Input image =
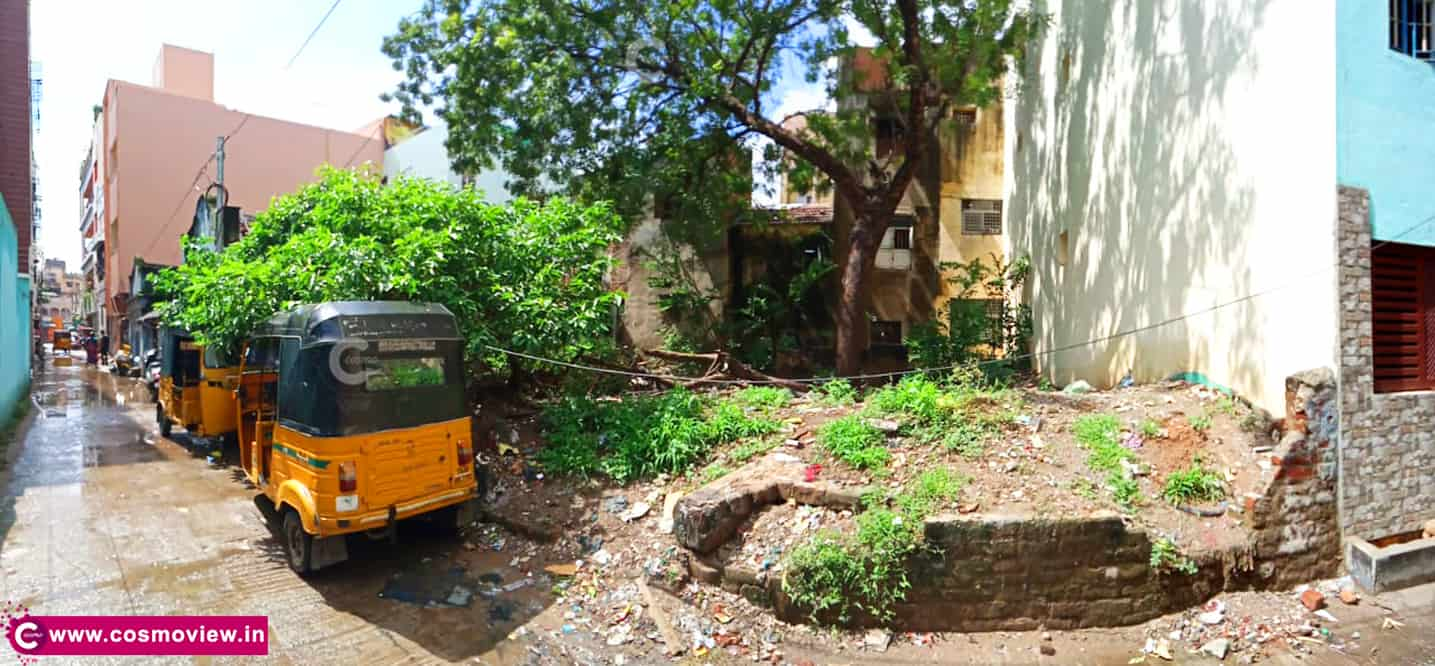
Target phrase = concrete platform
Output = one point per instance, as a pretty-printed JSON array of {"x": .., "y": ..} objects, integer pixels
[{"x": 1393, "y": 567}]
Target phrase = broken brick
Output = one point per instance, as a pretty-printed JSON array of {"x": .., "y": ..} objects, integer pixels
[{"x": 1313, "y": 600}]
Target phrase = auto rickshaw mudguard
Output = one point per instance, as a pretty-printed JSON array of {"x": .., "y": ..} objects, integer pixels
[{"x": 296, "y": 495}]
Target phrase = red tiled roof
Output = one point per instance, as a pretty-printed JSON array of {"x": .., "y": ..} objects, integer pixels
[{"x": 802, "y": 214}]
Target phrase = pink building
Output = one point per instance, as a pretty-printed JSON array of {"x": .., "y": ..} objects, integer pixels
[{"x": 138, "y": 189}]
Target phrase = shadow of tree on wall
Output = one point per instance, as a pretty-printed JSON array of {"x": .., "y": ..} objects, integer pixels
[{"x": 1128, "y": 157}]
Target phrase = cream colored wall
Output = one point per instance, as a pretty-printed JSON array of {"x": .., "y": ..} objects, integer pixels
[
  {"x": 972, "y": 167},
  {"x": 642, "y": 319},
  {"x": 160, "y": 139},
  {"x": 1187, "y": 149}
]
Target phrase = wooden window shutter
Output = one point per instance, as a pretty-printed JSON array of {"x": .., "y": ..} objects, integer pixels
[{"x": 1402, "y": 285}]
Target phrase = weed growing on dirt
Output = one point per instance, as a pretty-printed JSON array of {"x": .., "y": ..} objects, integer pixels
[
  {"x": 967, "y": 439},
  {"x": 1150, "y": 428},
  {"x": 1099, "y": 435},
  {"x": 915, "y": 397},
  {"x": 1199, "y": 422},
  {"x": 713, "y": 472},
  {"x": 836, "y": 393},
  {"x": 1193, "y": 484},
  {"x": 855, "y": 442},
  {"x": 1226, "y": 405},
  {"x": 834, "y": 576},
  {"x": 932, "y": 490},
  {"x": 1166, "y": 557},
  {"x": 763, "y": 397},
  {"x": 1085, "y": 488},
  {"x": 750, "y": 450},
  {"x": 641, "y": 436}
]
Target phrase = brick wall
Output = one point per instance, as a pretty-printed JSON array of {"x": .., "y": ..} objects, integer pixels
[
  {"x": 1387, "y": 451},
  {"x": 15, "y": 123}
]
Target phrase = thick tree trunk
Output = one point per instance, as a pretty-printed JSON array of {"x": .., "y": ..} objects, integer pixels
[{"x": 866, "y": 236}]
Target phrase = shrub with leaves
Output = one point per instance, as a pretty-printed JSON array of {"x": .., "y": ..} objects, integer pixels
[
  {"x": 640, "y": 437},
  {"x": 1193, "y": 484},
  {"x": 525, "y": 276},
  {"x": 763, "y": 397},
  {"x": 836, "y": 393},
  {"x": 855, "y": 442},
  {"x": 836, "y": 576},
  {"x": 1166, "y": 557}
]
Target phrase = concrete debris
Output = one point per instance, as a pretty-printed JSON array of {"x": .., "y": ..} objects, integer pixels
[
  {"x": 1217, "y": 648},
  {"x": 1211, "y": 617},
  {"x": 877, "y": 640},
  {"x": 670, "y": 504},
  {"x": 1326, "y": 615},
  {"x": 637, "y": 511},
  {"x": 1163, "y": 650},
  {"x": 1077, "y": 387}
]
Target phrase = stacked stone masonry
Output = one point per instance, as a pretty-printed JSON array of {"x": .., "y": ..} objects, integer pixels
[
  {"x": 991, "y": 572},
  {"x": 1387, "y": 441}
]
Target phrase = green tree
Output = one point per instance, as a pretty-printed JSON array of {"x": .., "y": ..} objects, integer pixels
[
  {"x": 627, "y": 99},
  {"x": 526, "y": 277}
]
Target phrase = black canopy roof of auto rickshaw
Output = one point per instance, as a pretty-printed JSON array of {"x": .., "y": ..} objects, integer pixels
[{"x": 317, "y": 323}]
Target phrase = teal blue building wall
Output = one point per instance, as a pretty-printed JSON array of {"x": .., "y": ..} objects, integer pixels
[
  {"x": 14, "y": 319},
  {"x": 1385, "y": 124}
]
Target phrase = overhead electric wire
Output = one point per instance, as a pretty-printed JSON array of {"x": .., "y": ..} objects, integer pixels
[{"x": 313, "y": 32}]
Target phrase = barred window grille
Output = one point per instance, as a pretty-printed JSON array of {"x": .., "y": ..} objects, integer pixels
[
  {"x": 1412, "y": 28},
  {"x": 981, "y": 217}
]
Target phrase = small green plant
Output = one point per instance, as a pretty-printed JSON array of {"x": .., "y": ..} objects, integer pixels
[
  {"x": 763, "y": 397},
  {"x": 750, "y": 450},
  {"x": 834, "y": 575},
  {"x": 1043, "y": 383},
  {"x": 855, "y": 442},
  {"x": 1166, "y": 557},
  {"x": 1099, "y": 434},
  {"x": 1226, "y": 405},
  {"x": 836, "y": 393},
  {"x": 713, "y": 472},
  {"x": 915, "y": 396},
  {"x": 967, "y": 439},
  {"x": 1150, "y": 428},
  {"x": 1085, "y": 488},
  {"x": 1193, "y": 484},
  {"x": 641, "y": 436},
  {"x": 932, "y": 490},
  {"x": 1199, "y": 422}
]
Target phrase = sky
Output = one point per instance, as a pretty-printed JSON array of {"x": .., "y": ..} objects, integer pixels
[
  {"x": 335, "y": 82},
  {"x": 80, "y": 44}
]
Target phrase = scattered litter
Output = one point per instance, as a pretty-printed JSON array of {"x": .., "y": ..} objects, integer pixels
[
  {"x": 638, "y": 511},
  {"x": 1211, "y": 617},
  {"x": 1163, "y": 650},
  {"x": 1217, "y": 648},
  {"x": 877, "y": 640},
  {"x": 1077, "y": 387},
  {"x": 615, "y": 504},
  {"x": 603, "y": 557},
  {"x": 1326, "y": 615},
  {"x": 1389, "y": 623},
  {"x": 562, "y": 569},
  {"x": 810, "y": 473},
  {"x": 1349, "y": 596},
  {"x": 785, "y": 457}
]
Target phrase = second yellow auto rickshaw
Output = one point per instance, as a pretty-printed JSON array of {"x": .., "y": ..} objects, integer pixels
[
  {"x": 352, "y": 416},
  {"x": 60, "y": 347},
  {"x": 196, "y": 388}
]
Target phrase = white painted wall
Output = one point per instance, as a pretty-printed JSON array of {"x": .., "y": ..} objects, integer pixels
[
  {"x": 1187, "y": 149},
  {"x": 424, "y": 156}
]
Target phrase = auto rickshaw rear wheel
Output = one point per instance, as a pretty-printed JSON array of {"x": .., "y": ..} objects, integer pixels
[
  {"x": 164, "y": 424},
  {"x": 298, "y": 544}
]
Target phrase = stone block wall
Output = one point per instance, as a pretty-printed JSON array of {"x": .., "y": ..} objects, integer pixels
[{"x": 1387, "y": 441}]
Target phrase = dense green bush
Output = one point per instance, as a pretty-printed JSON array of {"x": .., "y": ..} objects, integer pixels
[
  {"x": 643, "y": 436},
  {"x": 526, "y": 276}
]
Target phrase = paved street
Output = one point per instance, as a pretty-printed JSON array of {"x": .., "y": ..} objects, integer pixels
[{"x": 101, "y": 516}]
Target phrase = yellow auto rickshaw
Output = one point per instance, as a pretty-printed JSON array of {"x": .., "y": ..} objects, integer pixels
[
  {"x": 196, "y": 387},
  {"x": 352, "y": 416},
  {"x": 60, "y": 347}
]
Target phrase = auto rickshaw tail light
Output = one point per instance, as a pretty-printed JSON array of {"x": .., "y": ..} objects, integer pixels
[
  {"x": 465, "y": 455},
  {"x": 348, "y": 477}
]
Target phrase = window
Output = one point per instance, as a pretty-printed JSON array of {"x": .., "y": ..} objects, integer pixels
[
  {"x": 966, "y": 117},
  {"x": 895, "y": 252},
  {"x": 1412, "y": 27},
  {"x": 981, "y": 217},
  {"x": 1402, "y": 286},
  {"x": 887, "y": 333},
  {"x": 889, "y": 134}
]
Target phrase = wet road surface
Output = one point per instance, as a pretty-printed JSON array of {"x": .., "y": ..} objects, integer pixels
[{"x": 100, "y": 515}]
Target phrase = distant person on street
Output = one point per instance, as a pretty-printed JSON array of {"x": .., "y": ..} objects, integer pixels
[{"x": 105, "y": 349}]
